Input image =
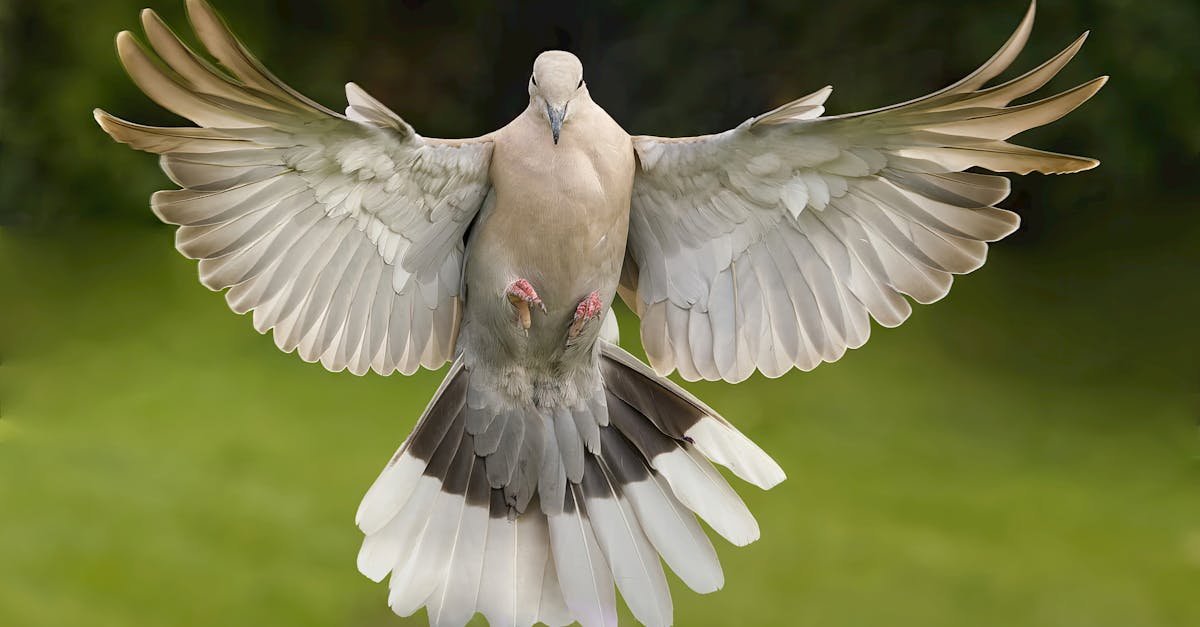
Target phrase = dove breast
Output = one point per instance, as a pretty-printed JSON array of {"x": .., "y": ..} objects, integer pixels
[{"x": 558, "y": 217}]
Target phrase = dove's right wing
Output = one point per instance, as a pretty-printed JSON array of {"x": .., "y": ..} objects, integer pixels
[
  {"x": 767, "y": 247},
  {"x": 343, "y": 234}
]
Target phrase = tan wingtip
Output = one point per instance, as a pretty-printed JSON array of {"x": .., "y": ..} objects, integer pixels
[
  {"x": 1025, "y": 27},
  {"x": 1091, "y": 87},
  {"x": 110, "y": 124},
  {"x": 1078, "y": 164},
  {"x": 197, "y": 5},
  {"x": 151, "y": 20},
  {"x": 821, "y": 93},
  {"x": 1020, "y": 36},
  {"x": 124, "y": 38},
  {"x": 1077, "y": 44},
  {"x": 127, "y": 42},
  {"x": 199, "y": 12},
  {"x": 127, "y": 46}
]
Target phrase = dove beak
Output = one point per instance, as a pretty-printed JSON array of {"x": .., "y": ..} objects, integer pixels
[{"x": 556, "y": 119}]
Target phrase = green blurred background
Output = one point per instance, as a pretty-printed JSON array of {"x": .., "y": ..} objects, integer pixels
[{"x": 1023, "y": 453}]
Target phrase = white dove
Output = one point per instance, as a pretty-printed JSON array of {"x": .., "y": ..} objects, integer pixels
[{"x": 551, "y": 463}]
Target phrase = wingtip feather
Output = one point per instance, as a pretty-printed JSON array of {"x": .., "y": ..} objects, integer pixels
[
  {"x": 102, "y": 118},
  {"x": 199, "y": 6},
  {"x": 1007, "y": 52},
  {"x": 124, "y": 39},
  {"x": 148, "y": 15}
]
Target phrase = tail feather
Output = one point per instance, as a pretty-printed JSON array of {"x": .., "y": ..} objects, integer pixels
[
  {"x": 610, "y": 485},
  {"x": 670, "y": 527},
  {"x": 414, "y": 581},
  {"x": 453, "y": 603},
  {"x": 553, "y": 609},
  {"x": 552, "y": 485},
  {"x": 583, "y": 572},
  {"x": 634, "y": 562},
  {"x": 698, "y": 485},
  {"x": 395, "y": 484},
  {"x": 682, "y": 416}
]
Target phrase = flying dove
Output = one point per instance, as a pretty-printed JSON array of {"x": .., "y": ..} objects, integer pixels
[{"x": 550, "y": 463}]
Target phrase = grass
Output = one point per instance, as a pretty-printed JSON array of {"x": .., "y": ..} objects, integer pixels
[{"x": 165, "y": 465}]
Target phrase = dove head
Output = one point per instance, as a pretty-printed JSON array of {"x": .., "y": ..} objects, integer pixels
[{"x": 556, "y": 80}]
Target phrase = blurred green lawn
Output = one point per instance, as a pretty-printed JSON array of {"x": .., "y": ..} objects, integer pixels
[{"x": 165, "y": 465}]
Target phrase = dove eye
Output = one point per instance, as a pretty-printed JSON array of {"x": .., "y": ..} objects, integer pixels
[
  {"x": 580, "y": 84},
  {"x": 534, "y": 79}
]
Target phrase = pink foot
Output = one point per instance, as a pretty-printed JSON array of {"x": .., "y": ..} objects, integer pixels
[
  {"x": 521, "y": 294},
  {"x": 588, "y": 308}
]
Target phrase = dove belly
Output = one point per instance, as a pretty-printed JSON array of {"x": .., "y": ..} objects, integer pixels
[{"x": 561, "y": 224}]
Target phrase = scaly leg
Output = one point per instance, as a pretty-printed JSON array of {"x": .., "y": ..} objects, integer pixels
[
  {"x": 521, "y": 294},
  {"x": 588, "y": 308}
]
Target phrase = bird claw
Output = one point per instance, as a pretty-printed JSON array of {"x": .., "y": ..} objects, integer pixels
[
  {"x": 588, "y": 309},
  {"x": 521, "y": 295}
]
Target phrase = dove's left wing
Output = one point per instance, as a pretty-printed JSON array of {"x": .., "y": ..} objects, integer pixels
[
  {"x": 767, "y": 246},
  {"x": 343, "y": 234}
]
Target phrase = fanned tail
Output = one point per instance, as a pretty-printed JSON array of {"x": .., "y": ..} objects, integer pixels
[{"x": 619, "y": 481}]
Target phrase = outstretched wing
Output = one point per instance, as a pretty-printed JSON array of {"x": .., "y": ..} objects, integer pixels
[
  {"x": 769, "y": 245},
  {"x": 344, "y": 234}
]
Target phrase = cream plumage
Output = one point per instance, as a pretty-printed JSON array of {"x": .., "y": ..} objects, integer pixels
[{"x": 550, "y": 465}]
